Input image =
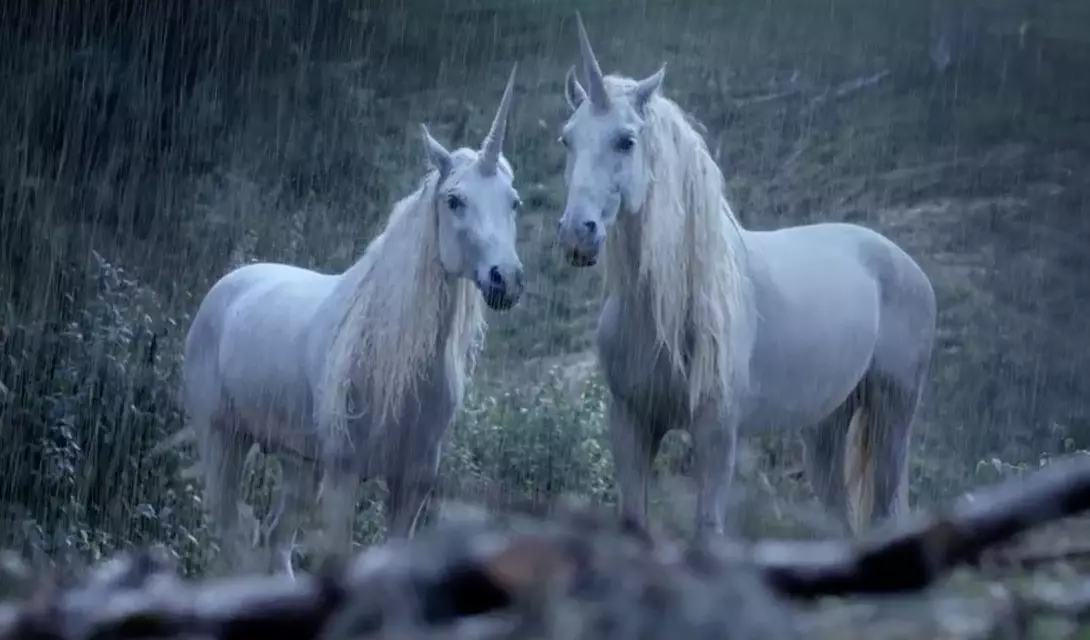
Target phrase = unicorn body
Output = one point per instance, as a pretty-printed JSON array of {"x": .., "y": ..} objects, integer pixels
[
  {"x": 824, "y": 328},
  {"x": 358, "y": 374},
  {"x": 265, "y": 303}
]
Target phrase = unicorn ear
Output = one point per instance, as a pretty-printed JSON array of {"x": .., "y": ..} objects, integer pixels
[
  {"x": 438, "y": 155},
  {"x": 646, "y": 88},
  {"x": 573, "y": 91}
]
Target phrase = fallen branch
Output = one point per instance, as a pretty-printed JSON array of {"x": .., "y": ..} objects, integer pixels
[
  {"x": 575, "y": 576},
  {"x": 1032, "y": 559},
  {"x": 1068, "y": 602},
  {"x": 592, "y": 577},
  {"x": 139, "y": 596},
  {"x": 915, "y": 556},
  {"x": 767, "y": 97},
  {"x": 849, "y": 87}
]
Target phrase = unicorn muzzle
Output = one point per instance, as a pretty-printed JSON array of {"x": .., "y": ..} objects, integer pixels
[
  {"x": 577, "y": 258},
  {"x": 581, "y": 241},
  {"x": 501, "y": 287}
]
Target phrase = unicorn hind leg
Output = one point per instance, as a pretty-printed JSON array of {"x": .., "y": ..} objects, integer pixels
[
  {"x": 823, "y": 447},
  {"x": 894, "y": 408},
  {"x": 876, "y": 455},
  {"x": 222, "y": 451}
]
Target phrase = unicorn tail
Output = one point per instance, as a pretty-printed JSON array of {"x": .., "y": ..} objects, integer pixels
[
  {"x": 184, "y": 435},
  {"x": 859, "y": 470}
]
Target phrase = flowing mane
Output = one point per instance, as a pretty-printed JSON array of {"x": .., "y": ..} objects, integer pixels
[
  {"x": 394, "y": 312},
  {"x": 689, "y": 260}
]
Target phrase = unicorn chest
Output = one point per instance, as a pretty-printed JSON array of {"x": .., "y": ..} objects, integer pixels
[
  {"x": 636, "y": 368},
  {"x": 440, "y": 391},
  {"x": 412, "y": 428},
  {"x": 434, "y": 395}
]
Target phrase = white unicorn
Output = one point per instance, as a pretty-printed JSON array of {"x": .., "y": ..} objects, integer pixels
[
  {"x": 712, "y": 328},
  {"x": 361, "y": 372}
]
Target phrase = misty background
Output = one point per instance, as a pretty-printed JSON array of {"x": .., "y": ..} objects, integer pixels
[{"x": 148, "y": 148}]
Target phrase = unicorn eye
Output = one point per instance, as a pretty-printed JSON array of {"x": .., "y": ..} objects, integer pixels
[
  {"x": 516, "y": 204},
  {"x": 625, "y": 143},
  {"x": 564, "y": 141},
  {"x": 454, "y": 202}
]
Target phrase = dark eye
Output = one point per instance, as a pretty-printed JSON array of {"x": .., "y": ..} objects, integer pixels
[
  {"x": 564, "y": 141},
  {"x": 516, "y": 204},
  {"x": 624, "y": 144},
  {"x": 454, "y": 202}
]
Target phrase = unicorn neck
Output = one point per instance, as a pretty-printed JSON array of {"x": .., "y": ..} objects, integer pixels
[
  {"x": 680, "y": 261},
  {"x": 679, "y": 264},
  {"x": 399, "y": 314},
  {"x": 402, "y": 268},
  {"x": 459, "y": 300},
  {"x": 623, "y": 249},
  {"x": 634, "y": 257}
]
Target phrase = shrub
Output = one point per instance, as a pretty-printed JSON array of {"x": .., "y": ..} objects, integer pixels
[
  {"x": 81, "y": 403},
  {"x": 527, "y": 444}
]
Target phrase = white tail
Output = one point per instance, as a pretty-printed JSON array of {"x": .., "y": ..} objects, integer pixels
[{"x": 859, "y": 471}]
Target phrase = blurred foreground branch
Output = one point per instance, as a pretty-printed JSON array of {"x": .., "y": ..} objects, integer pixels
[
  {"x": 916, "y": 554},
  {"x": 576, "y": 575}
]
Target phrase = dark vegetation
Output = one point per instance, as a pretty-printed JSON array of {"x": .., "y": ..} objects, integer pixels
[{"x": 146, "y": 148}]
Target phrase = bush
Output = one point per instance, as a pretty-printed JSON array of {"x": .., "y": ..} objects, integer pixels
[
  {"x": 528, "y": 444},
  {"x": 80, "y": 403}
]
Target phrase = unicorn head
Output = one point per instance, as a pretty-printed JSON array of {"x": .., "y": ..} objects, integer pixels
[
  {"x": 606, "y": 169},
  {"x": 477, "y": 204}
]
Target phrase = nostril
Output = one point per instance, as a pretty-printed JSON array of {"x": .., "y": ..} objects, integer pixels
[
  {"x": 591, "y": 226},
  {"x": 495, "y": 277}
]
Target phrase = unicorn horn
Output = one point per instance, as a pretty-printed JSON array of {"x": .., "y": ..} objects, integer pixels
[
  {"x": 596, "y": 84},
  {"x": 493, "y": 142}
]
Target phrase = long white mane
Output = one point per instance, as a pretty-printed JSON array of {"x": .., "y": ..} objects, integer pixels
[
  {"x": 390, "y": 316},
  {"x": 690, "y": 245}
]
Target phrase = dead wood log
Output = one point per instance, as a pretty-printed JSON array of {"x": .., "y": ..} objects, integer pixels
[
  {"x": 916, "y": 554},
  {"x": 577, "y": 575}
]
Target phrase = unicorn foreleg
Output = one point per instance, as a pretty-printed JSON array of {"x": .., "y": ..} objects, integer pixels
[
  {"x": 405, "y": 505},
  {"x": 634, "y": 445},
  {"x": 297, "y": 489},
  {"x": 222, "y": 450},
  {"x": 713, "y": 440},
  {"x": 408, "y": 495},
  {"x": 340, "y": 483}
]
